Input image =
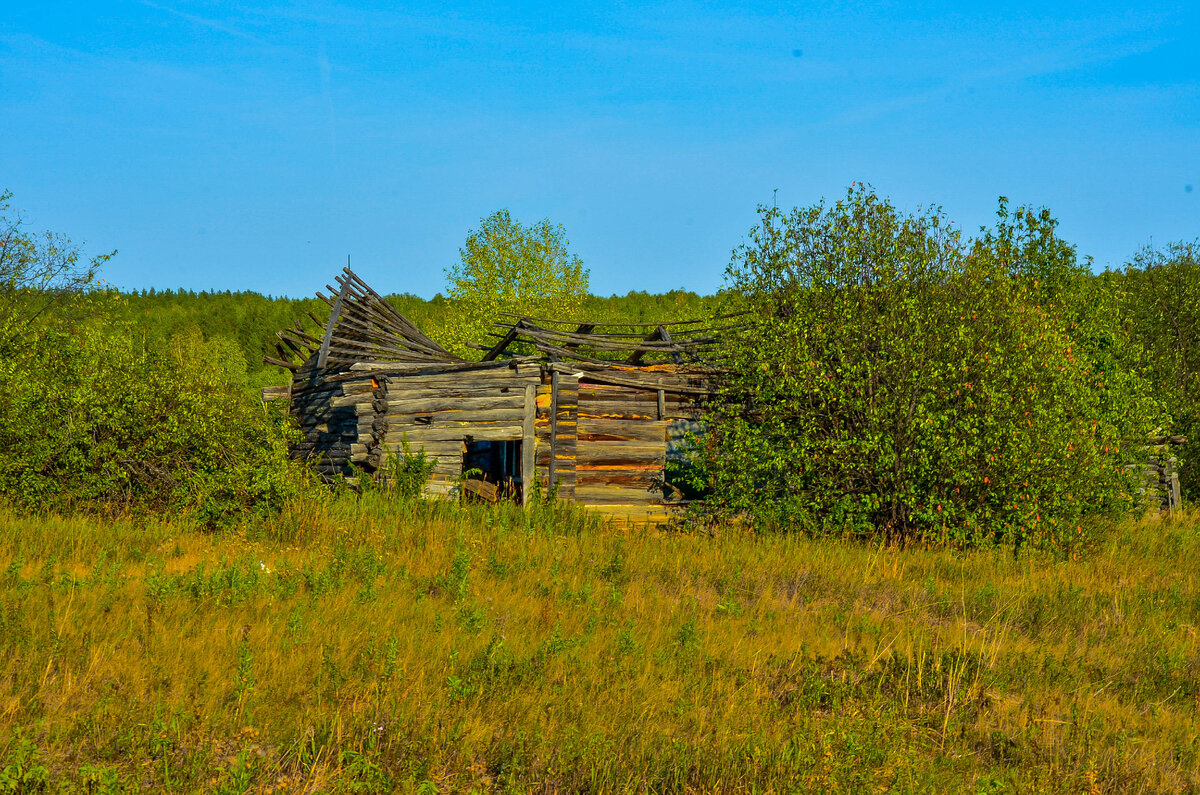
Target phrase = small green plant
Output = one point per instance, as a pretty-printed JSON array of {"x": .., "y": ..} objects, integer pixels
[
  {"x": 405, "y": 473},
  {"x": 245, "y": 680},
  {"x": 23, "y": 770}
]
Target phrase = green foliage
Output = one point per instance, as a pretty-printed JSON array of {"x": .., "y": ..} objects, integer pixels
[
  {"x": 1161, "y": 299},
  {"x": 95, "y": 410},
  {"x": 404, "y": 474},
  {"x": 507, "y": 267},
  {"x": 95, "y": 415},
  {"x": 22, "y": 771},
  {"x": 893, "y": 380},
  {"x": 248, "y": 320},
  {"x": 39, "y": 275}
]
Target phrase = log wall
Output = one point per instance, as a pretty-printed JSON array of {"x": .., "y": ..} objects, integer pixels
[
  {"x": 328, "y": 427},
  {"x": 600, "y": 444},
  {"x": 437, "y": 412},
  {"x": 622, "y": 447},
  {"x": 556, "y": 432}
]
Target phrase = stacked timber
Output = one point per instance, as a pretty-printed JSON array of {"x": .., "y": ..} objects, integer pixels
[
  {"x": 328, "y": 428},
  {"x": 621, "y": 448},
  {"x": 361, "y": 326},
  {"x": 1162, "y": 471}
]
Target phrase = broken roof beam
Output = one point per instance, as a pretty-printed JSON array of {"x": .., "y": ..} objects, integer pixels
[
  {"x": 666, "y": 337},
  {"x": 653, "y": 336},
  {"x": 603, "y": 342},
  {"x": 323, "y": 354},
  {"x": 502, "y": 346},
  {"x": 629, "y": 324},
  {"x": 358, "y": 326},
  {"x": 411, "y": 330},
  {"x": 655, "y": 324}
]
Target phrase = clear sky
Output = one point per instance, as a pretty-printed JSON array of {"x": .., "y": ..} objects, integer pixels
[{"x": 243, "y": 146}]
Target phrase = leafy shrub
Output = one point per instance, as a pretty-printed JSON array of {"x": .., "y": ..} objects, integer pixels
[
  {"x": 1160, "y": 293},
  {"x": 91, "y": 414},
  {"x": 405, "y": 473},
  {"x": 892, "y": 379}
]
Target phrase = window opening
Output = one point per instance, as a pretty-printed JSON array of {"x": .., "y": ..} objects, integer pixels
[{"x": 492, "y": 469}]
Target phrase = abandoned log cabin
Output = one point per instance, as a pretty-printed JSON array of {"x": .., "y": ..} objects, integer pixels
[{"x": 589, "y": 411}]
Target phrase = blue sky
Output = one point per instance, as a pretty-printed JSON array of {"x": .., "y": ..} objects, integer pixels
[{"x": 241, "y": 146}]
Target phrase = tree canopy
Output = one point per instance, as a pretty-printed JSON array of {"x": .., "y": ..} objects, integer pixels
[
  {"x": 505, "y": 266},
  {"x": 895, "y": 379}
]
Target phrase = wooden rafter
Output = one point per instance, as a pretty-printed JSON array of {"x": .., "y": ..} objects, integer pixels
[{"x": 362, "y": 326}]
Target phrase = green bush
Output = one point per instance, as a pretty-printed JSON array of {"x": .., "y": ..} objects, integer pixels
[
  {"x": 93, "y": 415},
  {"x": 894, "y": 380},
  {"x": 1161, "y": 298},
  {"x": 405, "y": 473}
]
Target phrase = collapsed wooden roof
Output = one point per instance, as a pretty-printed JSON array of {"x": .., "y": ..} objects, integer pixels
[
  {"x": 363, "y": 331},
  {"x": 362, "y": 326},
  {"x": 632, "y": 344}
]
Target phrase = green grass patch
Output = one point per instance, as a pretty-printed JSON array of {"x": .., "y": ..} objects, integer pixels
[{"x": 360, "y": 645}]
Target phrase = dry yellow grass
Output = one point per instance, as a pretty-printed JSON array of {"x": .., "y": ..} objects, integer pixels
[{"x": 358, "y": 645}]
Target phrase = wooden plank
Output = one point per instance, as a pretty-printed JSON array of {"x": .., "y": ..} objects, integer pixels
[
  {"x": 616, "y": 495},
  {"x": 528, "y": 443},
  {"x": 280, "y": 363},
  {"x": 615, "y": 394},
  {"x": 598, "y": 451},
  {"x": 466, "y": 382},
  {"x": 439, "y": 447},
  {"x": 514, "y": 400},
  {"x": 436, "y": 369},
  {"x": 598, "y": 429},
  {"x": 618, "y": 412},
  {"x": 621, "y": 516},
  {"x": 323, "y": 354},
  {"x": 351, "y": 401},
  {"x": 399, "y": 391},
  {"x": 482, "y": 488},
  {"x": 565, "y": 412},
  {"x": 484, "y": 433},
  {"x": 446, "y": 416},
  {"x": 502, "y": 345},
  {"x": 645, "y": 379},
  {"x": 554, "y": 377},
  {"x": 643, "y": 479}
]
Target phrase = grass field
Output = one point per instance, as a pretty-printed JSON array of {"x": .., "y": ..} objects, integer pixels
[{"x": 358, "y": 645}]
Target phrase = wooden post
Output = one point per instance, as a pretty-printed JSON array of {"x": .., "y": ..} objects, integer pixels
[
  {"x": 662, "y": 404},
  {"x": 528, "y": 462},
  {"x": 665, "y": 336},
  {"x": 333, "y": 318},
  {"x": 553, "y": 428}
]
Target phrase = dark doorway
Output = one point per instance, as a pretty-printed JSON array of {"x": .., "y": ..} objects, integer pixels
[{"x": 492, "y": 469}]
